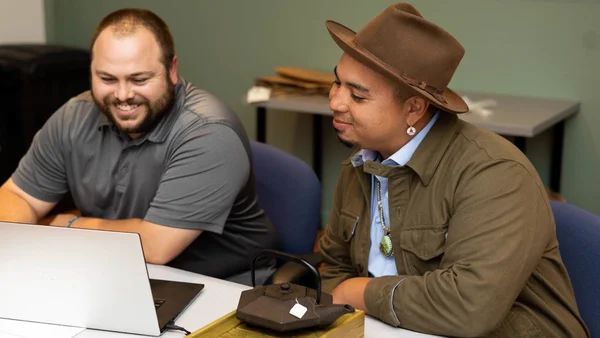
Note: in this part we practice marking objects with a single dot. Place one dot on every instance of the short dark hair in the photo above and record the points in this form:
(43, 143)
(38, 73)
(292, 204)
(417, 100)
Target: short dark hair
(127, 20)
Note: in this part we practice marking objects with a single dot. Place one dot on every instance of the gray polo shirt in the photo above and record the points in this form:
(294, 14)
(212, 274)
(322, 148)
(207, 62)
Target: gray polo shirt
(193, 171)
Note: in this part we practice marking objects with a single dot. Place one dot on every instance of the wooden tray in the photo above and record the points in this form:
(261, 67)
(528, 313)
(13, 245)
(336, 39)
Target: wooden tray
(347, 326)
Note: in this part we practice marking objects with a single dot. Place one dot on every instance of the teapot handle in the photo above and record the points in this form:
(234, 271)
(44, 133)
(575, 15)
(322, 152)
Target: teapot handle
(288, 257)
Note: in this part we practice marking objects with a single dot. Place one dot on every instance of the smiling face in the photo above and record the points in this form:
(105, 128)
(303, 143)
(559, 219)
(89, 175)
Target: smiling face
(129, 82)
(367, 111)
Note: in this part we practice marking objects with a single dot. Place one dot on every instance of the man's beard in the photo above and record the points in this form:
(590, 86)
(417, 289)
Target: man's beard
(346, 143)
(155, 112)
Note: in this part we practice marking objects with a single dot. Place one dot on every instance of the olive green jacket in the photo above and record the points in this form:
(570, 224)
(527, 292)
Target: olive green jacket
(474, 240)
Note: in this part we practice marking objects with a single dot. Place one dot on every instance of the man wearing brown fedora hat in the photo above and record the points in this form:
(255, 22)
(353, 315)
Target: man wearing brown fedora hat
(437, 226)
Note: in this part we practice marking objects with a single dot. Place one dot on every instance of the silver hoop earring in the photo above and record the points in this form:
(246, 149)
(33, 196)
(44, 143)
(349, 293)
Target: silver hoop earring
(411, 131)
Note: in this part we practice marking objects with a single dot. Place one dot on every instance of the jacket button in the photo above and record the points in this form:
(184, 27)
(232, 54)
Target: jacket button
(360, 268)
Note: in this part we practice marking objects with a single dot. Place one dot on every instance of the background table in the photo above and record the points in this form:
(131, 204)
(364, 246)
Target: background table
(516, 116)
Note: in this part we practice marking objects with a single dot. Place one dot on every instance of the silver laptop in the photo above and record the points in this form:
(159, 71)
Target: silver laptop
(86, 278)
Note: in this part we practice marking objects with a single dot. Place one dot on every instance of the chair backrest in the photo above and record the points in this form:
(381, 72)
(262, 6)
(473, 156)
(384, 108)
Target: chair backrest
(290, 194)
(578, 233)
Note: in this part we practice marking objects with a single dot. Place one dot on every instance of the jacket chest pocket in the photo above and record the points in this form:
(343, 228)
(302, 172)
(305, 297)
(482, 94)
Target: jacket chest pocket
(423, 247)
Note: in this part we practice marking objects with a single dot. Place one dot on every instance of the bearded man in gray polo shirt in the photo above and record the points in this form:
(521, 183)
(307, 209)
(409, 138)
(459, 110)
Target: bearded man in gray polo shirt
(145, 151)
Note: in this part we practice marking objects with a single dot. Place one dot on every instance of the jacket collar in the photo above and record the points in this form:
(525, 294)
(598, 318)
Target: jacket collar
(426, 157)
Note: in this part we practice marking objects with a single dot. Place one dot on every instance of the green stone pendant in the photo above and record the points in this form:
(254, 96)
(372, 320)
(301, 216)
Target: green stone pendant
(386, 245)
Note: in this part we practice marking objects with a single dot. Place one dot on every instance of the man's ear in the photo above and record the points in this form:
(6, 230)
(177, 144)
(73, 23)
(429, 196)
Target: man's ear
(173, 70)
(417, 109)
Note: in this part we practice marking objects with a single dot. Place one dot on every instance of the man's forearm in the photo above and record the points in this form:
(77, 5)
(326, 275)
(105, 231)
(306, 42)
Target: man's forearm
(160, 243)
(123, 225)
(134, 225)
(13, 208)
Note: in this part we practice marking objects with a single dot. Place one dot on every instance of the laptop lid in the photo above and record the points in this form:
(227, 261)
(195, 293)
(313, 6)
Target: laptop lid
(77, 277)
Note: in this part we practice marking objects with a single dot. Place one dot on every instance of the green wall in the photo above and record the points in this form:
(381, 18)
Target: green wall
(544, 48)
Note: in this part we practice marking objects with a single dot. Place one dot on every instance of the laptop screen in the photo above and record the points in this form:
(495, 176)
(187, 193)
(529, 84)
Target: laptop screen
(76, 277)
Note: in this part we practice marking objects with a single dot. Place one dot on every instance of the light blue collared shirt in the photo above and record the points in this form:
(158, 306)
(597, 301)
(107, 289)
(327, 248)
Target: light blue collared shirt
(379, 264)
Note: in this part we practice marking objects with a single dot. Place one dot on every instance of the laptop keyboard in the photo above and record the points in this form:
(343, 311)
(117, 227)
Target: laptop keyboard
(158, 303)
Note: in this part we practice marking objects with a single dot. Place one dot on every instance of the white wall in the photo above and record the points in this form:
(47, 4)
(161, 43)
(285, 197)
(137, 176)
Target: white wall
(22, 21)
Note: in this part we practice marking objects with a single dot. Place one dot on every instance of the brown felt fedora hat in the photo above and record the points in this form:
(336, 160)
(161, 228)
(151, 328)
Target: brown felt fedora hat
(402, 44)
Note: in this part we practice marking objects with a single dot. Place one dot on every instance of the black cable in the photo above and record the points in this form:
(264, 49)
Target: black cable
(172, 326)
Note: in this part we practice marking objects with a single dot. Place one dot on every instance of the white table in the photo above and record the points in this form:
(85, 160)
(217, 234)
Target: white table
(220, 297)
(520, 117)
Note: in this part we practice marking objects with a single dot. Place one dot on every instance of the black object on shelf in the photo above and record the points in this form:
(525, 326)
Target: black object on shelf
(35, 80)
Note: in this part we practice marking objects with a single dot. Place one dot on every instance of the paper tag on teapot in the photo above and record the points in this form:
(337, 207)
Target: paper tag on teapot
(298, 310)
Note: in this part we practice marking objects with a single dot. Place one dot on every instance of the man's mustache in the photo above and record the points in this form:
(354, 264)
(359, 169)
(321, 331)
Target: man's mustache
(132, 101)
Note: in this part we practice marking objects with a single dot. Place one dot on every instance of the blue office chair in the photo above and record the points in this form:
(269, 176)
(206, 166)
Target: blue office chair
(578, 233)
(290, 194)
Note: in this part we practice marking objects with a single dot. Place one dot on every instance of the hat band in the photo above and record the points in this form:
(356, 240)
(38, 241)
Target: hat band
(411, 81)
(437, 93)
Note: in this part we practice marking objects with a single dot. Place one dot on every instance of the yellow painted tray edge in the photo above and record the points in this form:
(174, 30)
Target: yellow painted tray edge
(349, 325)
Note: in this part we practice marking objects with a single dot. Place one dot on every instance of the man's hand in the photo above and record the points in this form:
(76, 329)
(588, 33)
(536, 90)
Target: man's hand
(61, 220)
(351, 292)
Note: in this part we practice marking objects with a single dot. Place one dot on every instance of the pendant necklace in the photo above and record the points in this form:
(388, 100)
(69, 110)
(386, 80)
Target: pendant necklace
(385, 245)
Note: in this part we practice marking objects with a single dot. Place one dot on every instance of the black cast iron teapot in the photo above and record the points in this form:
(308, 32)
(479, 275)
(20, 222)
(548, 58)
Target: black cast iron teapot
(286, 306)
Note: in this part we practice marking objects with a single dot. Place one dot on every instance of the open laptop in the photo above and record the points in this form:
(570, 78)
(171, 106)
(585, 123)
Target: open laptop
(86, 278)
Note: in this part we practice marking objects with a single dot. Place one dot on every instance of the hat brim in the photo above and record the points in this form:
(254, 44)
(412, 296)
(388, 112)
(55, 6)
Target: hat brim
(343, 37)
